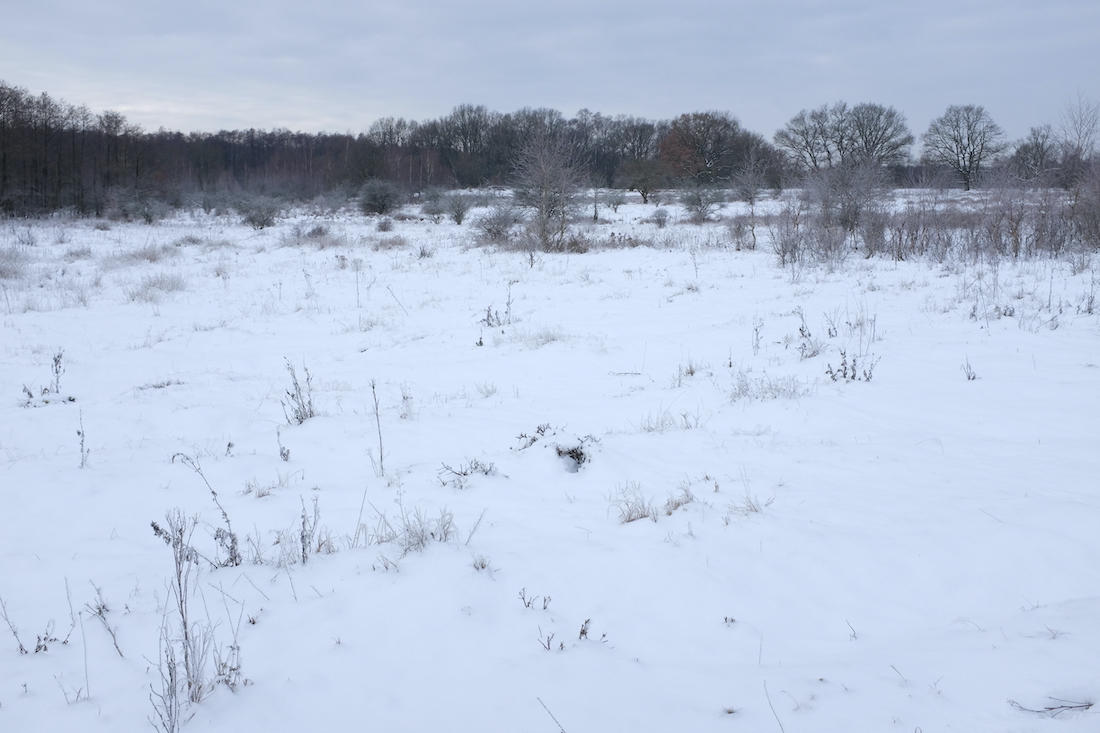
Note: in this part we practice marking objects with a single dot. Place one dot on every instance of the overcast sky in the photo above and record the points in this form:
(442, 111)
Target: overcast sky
(337, 65)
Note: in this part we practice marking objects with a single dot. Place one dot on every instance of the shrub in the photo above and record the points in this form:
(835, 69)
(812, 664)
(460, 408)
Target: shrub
(260, 212)
(853, 371)
(11, 263)
(151, 211)
(615, 199)
(1084, 212)
(433, 208)
(702, 201)
(548, 176)
(843, 195)
(394, 242)
(378, 196)
(496, 225)
(576, 455)
(789, 233)
(458, 205)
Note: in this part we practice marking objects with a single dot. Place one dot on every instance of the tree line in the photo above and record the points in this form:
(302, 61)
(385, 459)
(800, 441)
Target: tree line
(54, 155)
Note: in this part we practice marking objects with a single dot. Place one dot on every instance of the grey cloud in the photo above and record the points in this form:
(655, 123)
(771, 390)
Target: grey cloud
(199, 64)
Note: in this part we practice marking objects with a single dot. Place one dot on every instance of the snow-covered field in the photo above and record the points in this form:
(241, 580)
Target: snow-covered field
(897, 546)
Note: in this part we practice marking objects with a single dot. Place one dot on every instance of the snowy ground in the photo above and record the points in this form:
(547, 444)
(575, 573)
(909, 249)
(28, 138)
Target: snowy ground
(909, 550)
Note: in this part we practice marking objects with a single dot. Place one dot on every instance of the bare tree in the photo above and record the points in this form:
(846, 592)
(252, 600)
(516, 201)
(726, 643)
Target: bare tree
(751, 176)
(1080, 128)
(867, 134)
(748, 181)
(1078, 136)
(962, 139)
(1036, 157)
(547, 178)
(705, 147)
(643, 176)
(877, 135)
(809, 139)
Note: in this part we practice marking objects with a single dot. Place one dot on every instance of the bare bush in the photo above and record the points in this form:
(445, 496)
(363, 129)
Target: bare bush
(614, 199)
(457, 205)
(1017, 222)
(12, 263)
(918, 229)
(702, 201)
(790, 232)
(432, 208)
(1011, 222)
(496, 225)
(259, 212)
(378, 196)
(395, 241)
(1084, 209)
(842, 194)
(459, 477)
(298, 405)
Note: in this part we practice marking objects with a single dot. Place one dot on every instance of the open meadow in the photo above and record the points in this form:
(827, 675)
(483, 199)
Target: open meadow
(318, 476)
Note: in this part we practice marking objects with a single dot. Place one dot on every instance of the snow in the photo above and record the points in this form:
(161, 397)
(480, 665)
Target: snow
(905, 552)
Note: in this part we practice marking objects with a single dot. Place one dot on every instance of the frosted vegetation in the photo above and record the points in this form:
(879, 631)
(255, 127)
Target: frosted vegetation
(818, 460)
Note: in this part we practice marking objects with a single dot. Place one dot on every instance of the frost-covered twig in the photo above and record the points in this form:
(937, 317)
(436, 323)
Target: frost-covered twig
(1053, 710)
(227, 538)
(98, 609)
(14, 631)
